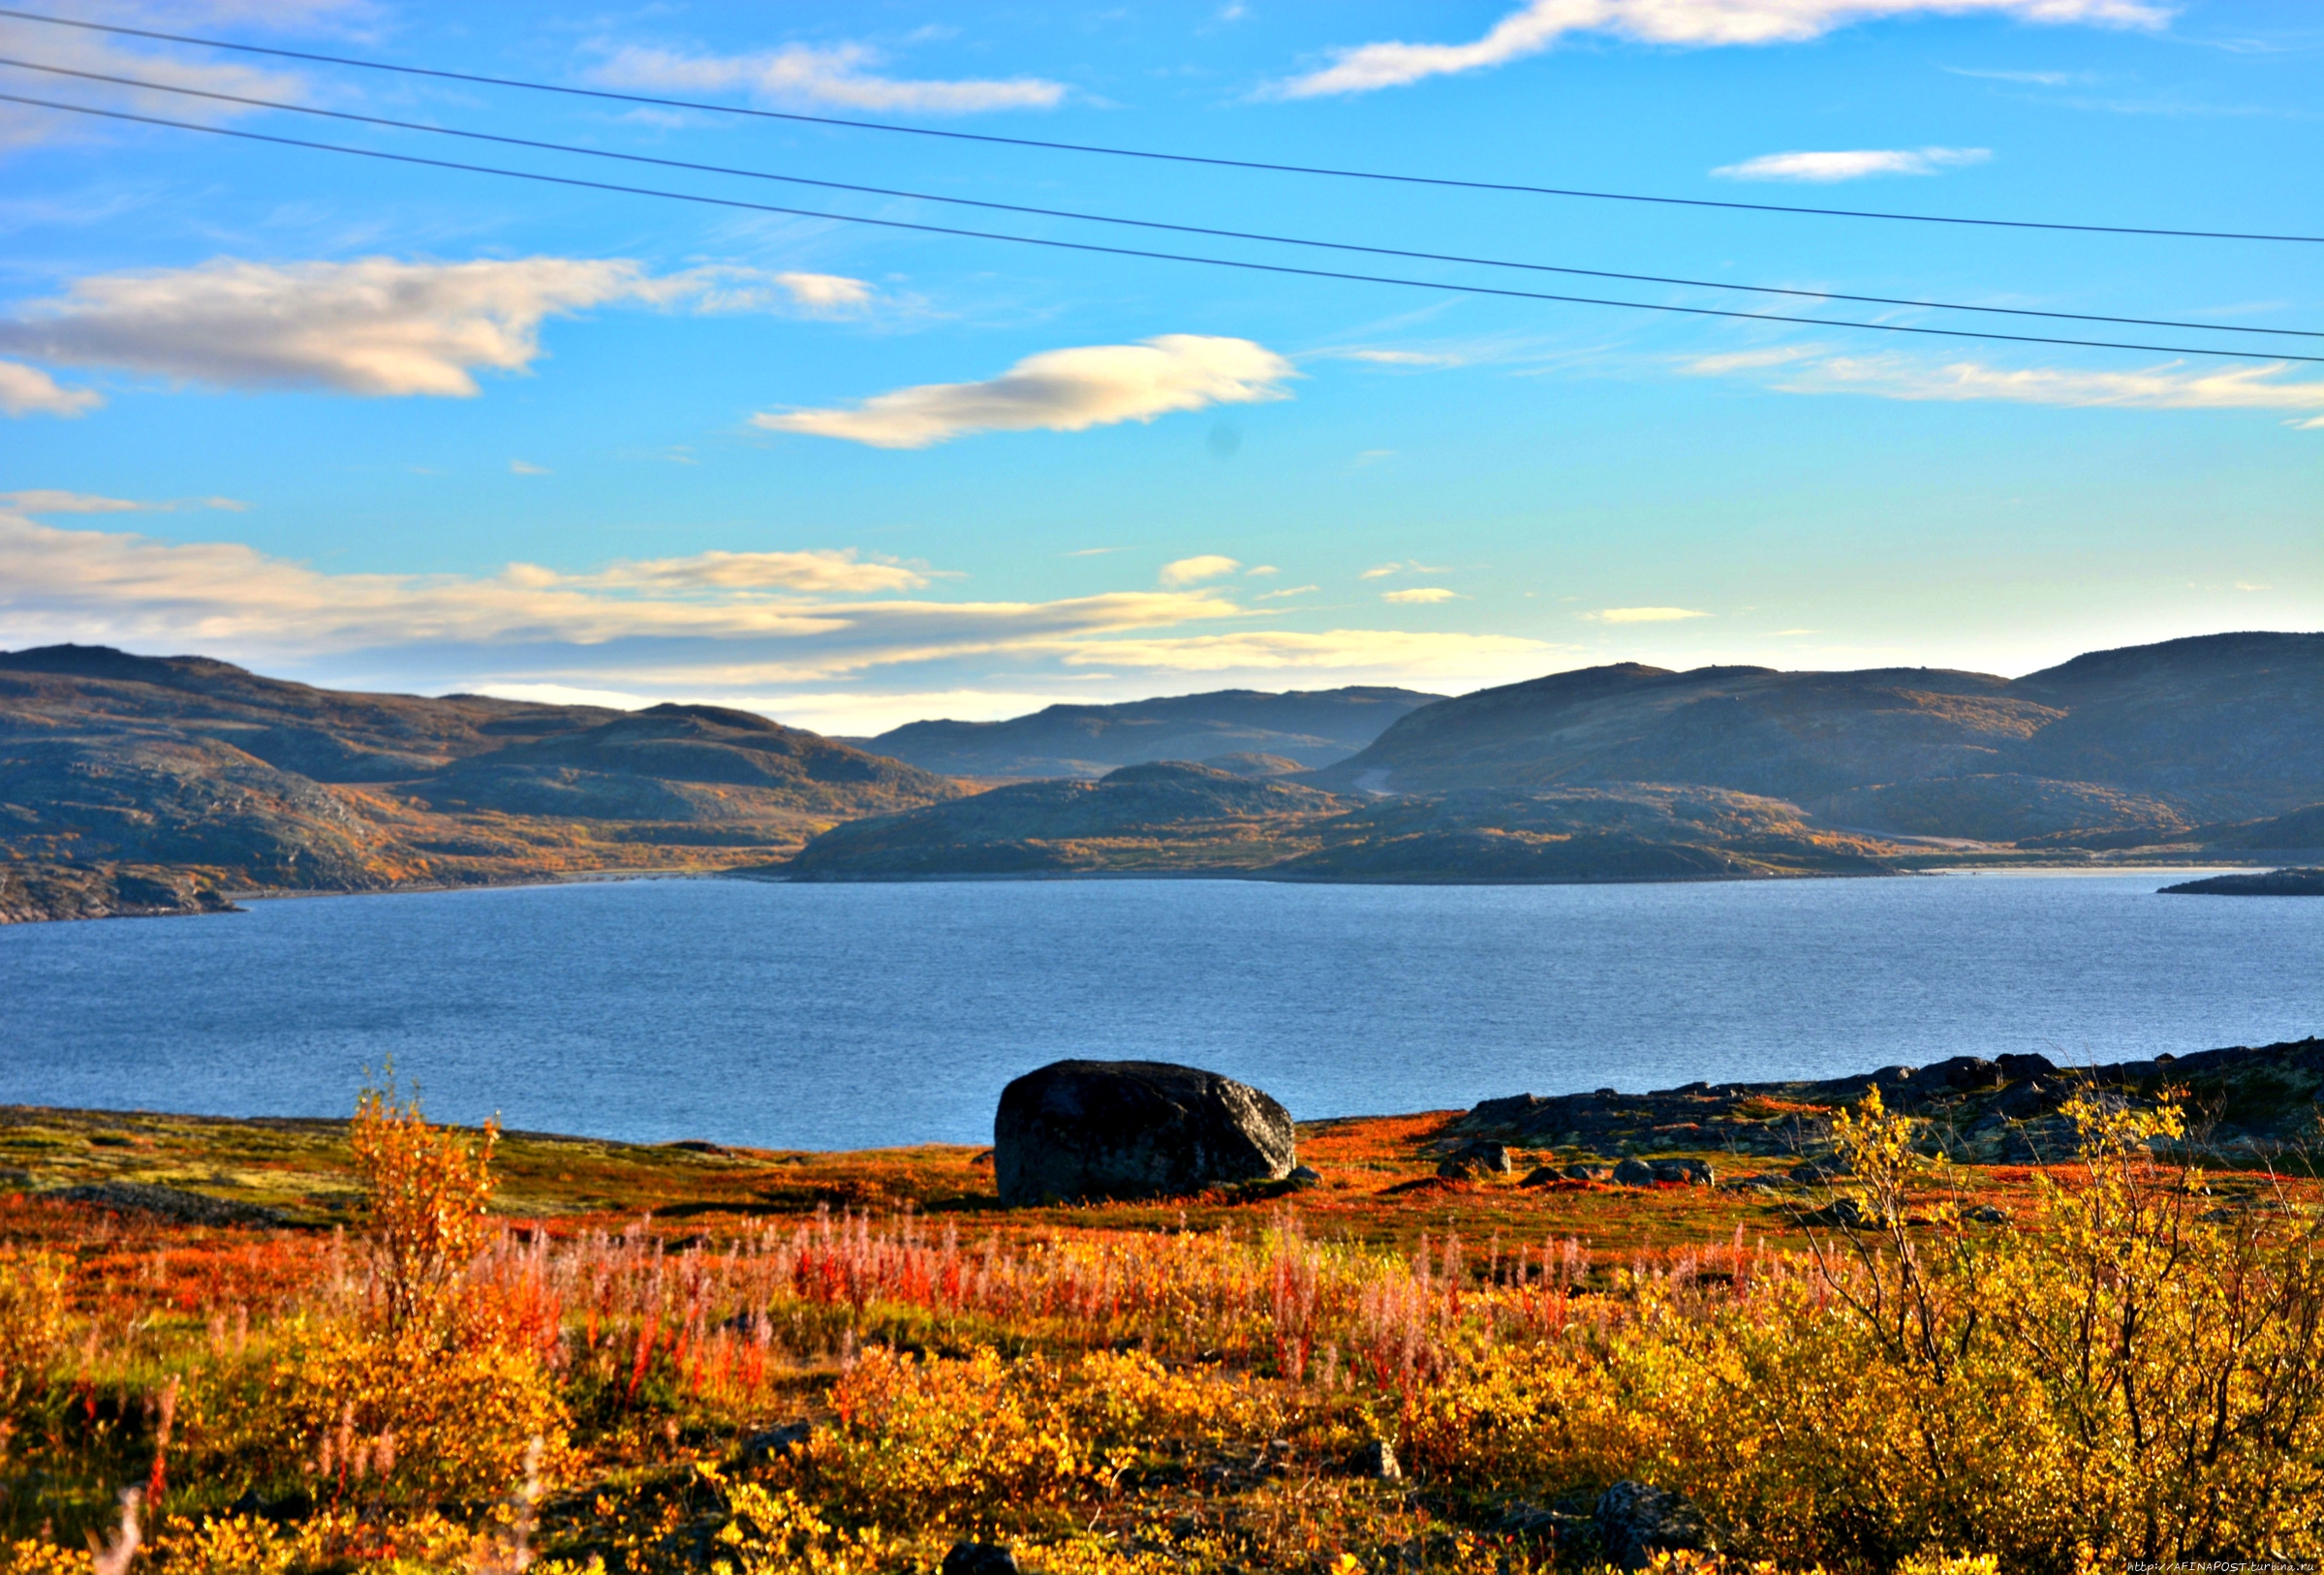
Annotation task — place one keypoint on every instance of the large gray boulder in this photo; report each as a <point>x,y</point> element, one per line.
<point>1082,1129</point>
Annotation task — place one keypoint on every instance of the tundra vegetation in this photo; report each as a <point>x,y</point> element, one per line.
<point>850,1364</point>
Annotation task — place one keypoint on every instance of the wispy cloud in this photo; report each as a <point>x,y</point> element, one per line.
<point>1852,165</point>
<point>1404,565</point>
<point>1535,26</point>
<point>1387,651</point>
<point>760,613</point>
<point>378,325</point>
<point>2171,385</point>
<point>22,126</point>
<point>28,390</point>
<point>1287,592</point>
<point>2026,78</point>
<point>1642,615</point>
<point>1402,357</point>
<point>838,73</point>
<point>1194,570</point>
<point>518,467</point>
<point>1059,390</point>
<point>1420,596</point>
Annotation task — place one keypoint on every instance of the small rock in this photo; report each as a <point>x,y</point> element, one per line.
<point>1760,1183</point>
<point>1377,1460</point>
<point>1541,1176</point>
<point>1986,1214</point>
<point>1303,1177</point>
<point>980,1559</point>
<point>168,1203</point>
<point>774,1443</point>
<point>1820,1170</point>
<point>1635,1521</point>
<point>1588,1173</point>
<point>1690,1172</point>
<point>1843,1214</point>
<point>1633,1173</point>
<point>1481,1158</point>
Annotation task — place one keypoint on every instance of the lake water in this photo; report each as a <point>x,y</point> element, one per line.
<point>841,1016</point>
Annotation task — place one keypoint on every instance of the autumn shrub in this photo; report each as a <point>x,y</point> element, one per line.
<point>424,1192</point>
<point>2125,1375</point>
<point>32,1322</point>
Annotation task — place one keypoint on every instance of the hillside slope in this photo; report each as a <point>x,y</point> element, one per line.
<point>2151,739</point>
<point>1313,727</point>
<point>1174,818</point>
<point>114,767</point>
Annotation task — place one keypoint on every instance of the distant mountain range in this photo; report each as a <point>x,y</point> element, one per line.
<point>1229,728</point>
<point>134,784</point>
<point>1630,772</point>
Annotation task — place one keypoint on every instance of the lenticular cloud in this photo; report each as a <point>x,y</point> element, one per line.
<point>1059,390</point>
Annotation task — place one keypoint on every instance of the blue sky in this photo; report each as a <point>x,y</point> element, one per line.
<point>395,427</point>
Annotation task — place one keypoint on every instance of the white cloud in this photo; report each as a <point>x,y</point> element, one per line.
<point>1746,360</point>
<point>1642,615</point>
<point>1400,358</point>
<point>818,570</point>
<point>377,325</point>
<point>1194,570</point>
<point>1853,165</point>
<point>1287,592</point>
<point>226,597</point>
<point>830,293</point>
<point>22,126</point>
<point>1060,390</point>
<point>1384,650</point>
<point>1405,565</point>
<point>28,390</point>
<point>1419,595</point>
<point>834,74</point>
<point>51,500</point>
<point>1256,571</point>
<point>2171,385</point>
<point>518,467</point>
<point>1537,26</point>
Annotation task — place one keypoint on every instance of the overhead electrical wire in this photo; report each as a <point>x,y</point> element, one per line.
<point>1268,166</point>
<point>1131,251</point>
<point>1114,219</point>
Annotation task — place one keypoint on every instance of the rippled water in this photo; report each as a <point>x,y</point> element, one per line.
<point>834,1016</point>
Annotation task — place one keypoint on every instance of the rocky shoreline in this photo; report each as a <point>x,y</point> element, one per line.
<point>2242,1103</point>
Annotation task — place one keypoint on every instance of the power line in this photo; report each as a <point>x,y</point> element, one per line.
<point>1113,219</point>
<point>1130,152</point>
<point>1126,251</point>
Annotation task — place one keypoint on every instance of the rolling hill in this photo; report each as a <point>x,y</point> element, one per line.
<point>2152,739</point>
<point>1311,728</point>
<point>142,783</point>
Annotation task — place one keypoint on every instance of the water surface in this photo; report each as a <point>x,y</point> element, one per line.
<point>839,1016</point>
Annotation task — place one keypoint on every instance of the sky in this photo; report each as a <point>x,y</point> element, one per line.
<point>393,426</point>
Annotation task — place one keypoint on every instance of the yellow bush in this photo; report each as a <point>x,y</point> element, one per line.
<point>972,1445</point>
<point>405,1417</point>
<point>424,1192</point>
<point>32,1321</point>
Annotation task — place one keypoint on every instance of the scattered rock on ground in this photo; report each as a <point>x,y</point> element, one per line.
<point>1690,1172</point>
<point>1377,1460</point>
<point>1304,1177</point>
<point>168,1203</point>
<point>1843,1214</point>
<point>1633,1173</point>
<point>1482,1157</point>
<point>1588,1173</point>
<point>1637,1520</point>
<point>776,1442</point>
<point>1077,1130</point>
<point>980,1559</point>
